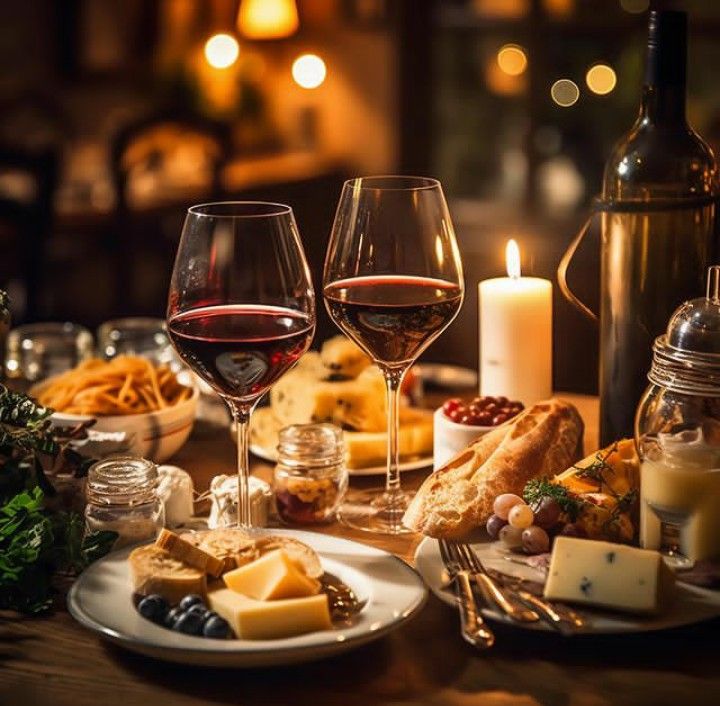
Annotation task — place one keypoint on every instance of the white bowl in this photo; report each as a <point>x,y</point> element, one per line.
<point>450,438</point>
<point>153,435</point>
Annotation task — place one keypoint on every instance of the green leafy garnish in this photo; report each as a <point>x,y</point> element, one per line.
<point>540,488</point>
<point>599,470</point>
<point>36,543</point>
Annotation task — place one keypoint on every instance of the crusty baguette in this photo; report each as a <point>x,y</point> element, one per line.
<point>458,497</point>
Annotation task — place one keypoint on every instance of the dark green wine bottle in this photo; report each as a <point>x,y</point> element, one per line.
<point>658,226</point>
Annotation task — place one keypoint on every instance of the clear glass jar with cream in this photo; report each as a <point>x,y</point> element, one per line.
<point>122,497</point>
<point>677,431</point>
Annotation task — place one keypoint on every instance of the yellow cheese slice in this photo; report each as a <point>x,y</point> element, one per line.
<point>267,620</point>
<point>363,449</point>
<point>271,577</point>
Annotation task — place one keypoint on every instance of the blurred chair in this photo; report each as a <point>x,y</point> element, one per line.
<point>159,165</point>
<point>27,186</point>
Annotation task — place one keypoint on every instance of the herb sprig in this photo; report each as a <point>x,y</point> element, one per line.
<point>540,488</point>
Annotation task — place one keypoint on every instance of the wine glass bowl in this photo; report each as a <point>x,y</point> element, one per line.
<point>241,309</point>
<point>393,283</point>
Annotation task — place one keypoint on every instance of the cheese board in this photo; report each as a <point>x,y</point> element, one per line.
<point>387,589</point>
<point>692,604</point>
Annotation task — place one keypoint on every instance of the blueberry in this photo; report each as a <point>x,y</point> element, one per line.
<point>173,615</point>
<point>190,600</point>
<point>216,627</point>
<point>153,607</point>
<point>189,623</point>
<point>199,609</point>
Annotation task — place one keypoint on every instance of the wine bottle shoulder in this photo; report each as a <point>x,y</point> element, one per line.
<point>653,162</point>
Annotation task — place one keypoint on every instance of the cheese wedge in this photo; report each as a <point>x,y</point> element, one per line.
<point>154,570</point>
<point>190,554</point>
<point>269,620</point>
<point>304,396</point>
<point>341,356</point>
<point>305,557</point>
<point>271,577</point>
<point>609,575</point>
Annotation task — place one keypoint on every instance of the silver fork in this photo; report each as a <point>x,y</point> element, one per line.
<point>472,626</point>
<point>515,609</point>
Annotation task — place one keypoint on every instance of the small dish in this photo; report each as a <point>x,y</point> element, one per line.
<point>449,438</point>
<point>152,435</point>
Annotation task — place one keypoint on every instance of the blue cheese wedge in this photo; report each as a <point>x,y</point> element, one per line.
<point>608,575</point>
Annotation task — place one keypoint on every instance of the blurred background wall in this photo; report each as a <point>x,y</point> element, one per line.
<point>118,114</point>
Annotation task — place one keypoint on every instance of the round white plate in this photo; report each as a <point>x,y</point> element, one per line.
<point>693,604</point>
<point>414,465</point>
<point>392,592</point>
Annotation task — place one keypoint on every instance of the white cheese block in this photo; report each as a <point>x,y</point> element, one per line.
<point>269,620</point>
<point>608,575</point>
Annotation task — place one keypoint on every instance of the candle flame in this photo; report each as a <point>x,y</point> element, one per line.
<point>512,259</point>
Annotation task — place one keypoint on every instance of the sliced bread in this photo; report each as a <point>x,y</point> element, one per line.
<point>458,497</point>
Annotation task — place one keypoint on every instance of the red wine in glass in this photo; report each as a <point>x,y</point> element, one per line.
<point>393,317</point>
<point>238,349</point>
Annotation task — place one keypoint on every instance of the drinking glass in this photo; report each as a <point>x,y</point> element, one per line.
<point>393,283</point>
<point>241,309</point>
<point>38,351</point>
<point>137,335</point>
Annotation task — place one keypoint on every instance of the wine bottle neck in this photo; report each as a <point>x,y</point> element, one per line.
<point>666,69</point>
<point>663,105</point>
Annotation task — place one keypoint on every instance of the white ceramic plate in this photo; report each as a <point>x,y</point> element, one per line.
<point>101,600</point>
<point>693,604</point>
<point>414,465</point>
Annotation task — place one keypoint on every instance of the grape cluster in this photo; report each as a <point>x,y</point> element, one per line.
<point>482,411</point>
<point>519,526</point>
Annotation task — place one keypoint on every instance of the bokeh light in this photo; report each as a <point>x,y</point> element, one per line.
<point>309,71</point>
<point>635,6</point>
<point>565,92</point>
<point>601,79</point>
<point>222,51</point>
<point>512,59</point>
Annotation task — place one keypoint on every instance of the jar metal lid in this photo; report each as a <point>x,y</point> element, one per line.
<point>311,445</point>
<point>686,358</point>
<point>122,480</point>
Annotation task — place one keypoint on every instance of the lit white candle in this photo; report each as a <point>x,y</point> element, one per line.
<point>516,334</point>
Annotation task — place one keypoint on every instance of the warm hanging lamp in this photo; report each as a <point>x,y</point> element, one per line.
<point>267,19</point>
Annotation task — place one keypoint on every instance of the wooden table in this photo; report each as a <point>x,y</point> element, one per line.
<point>52,660</point>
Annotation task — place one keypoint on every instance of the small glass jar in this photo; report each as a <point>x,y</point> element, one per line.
<point>310,478</point>
<point>122,497</point>
<point>677,431</point>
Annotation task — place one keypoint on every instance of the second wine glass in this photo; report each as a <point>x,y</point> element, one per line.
<point>393,283</point>
<point>241,310</point>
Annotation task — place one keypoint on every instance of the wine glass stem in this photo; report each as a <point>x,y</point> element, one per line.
<point>241,415</point>
<point>393,380</point>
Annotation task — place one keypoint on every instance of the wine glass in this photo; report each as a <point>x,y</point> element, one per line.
<point>241,309</point>
<point>393,283</point>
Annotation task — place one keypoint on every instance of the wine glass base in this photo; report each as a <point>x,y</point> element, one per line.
<point>375,511</point>
<point>677,561</point>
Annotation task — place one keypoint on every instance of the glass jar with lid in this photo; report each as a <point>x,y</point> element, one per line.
<point>677,430</point>
<point>122,497</point>
<point>310,478</point>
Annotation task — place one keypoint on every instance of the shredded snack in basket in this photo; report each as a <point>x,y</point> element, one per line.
<point>124,385</point>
